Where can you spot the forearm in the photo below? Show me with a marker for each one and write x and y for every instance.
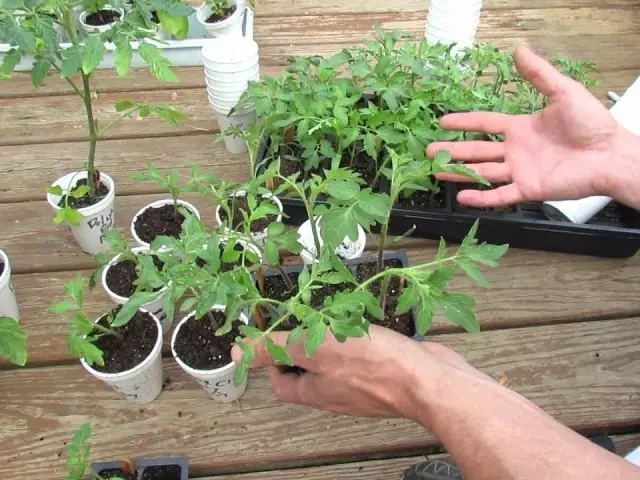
(494, 433)
(621, 179)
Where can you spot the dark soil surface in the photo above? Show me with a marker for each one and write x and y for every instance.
(477, 186)
(91, 198)
(199, 347)
(164, 472)
(1, 267)
(213, 18)
(139, 338)
(157, 221)
(403, 324)
(368, 270)
(122, 276)
(240, 204)
(275, 287)
(102, 17)
(116, 472)
(424, 200)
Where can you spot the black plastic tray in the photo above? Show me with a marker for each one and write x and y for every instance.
(352, 264)
(614, 232)
(182, 462)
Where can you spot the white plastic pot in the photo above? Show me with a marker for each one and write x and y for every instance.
(258, 237)
(8, 303)
(156, 204)
(242, 118)
(453, 21)
(223, 82)
(98, 28)
(156, 307)
(97, 218)
(229, 50)
(233, 77)
(231, 26)
(218, 383)
(575, 211)
(223, 107)
(142, 383)
(244, 65)
(226, 98)
(348, 250)
(216, 89)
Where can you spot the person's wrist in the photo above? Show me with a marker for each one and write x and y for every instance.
(620, 177)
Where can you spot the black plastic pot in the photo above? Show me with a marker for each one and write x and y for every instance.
(353, 264)
(142, 464)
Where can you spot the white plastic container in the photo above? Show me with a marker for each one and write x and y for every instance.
(98, 28)
(218, 383)
(142, 383)
(231, 26)
(227, 98)
(242, 118)
(243, 65)
(258, 237)
(8, 303)
(225, 81)
(156, 307)
(97, 218)
(228, 88)
(453, 21)
(156, 204)
(348, 250)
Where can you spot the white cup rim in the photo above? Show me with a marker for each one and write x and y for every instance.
(158, 203)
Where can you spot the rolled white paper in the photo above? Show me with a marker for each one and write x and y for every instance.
(625, 111)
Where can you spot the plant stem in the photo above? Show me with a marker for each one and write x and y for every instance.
(285, 277)
(93, 136)
(108, 331)
(382, 299)
(309, 210)
(382, 244)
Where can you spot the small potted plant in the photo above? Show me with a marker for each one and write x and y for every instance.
(78, 463)
(163, 217)
(8, 303)
(123, 347)
(99, 16)
(224, 17)
(131, 270)
(84, 199)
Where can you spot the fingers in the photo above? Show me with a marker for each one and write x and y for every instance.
(502, 196)
(540, 73)
(263, 358)
(291, 388)
(491, 171)
(487, 122)
(471, 151)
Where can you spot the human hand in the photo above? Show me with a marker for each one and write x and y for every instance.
(385, 375)
(563, 152)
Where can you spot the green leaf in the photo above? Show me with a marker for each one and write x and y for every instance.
(78, 452)
(39, 72)
(346, 329)
(390, 135)
(487, 254)
(72, 216)
(474, 273)
(315, 337)
(62, 306)
(408, 299)
(176, 25)
(295, 335)
(251, 332)
(424, 312)
(93, 52)
(271, 253)
(75, 289)
(370, 145)
(72, 60)
(278, 353)
(372, 304)
(158, 63)
(123, 56)
(303, 278)
(79, 192)
(274, 229)
(9, 62)
(123, 105)
(129, 309)
(188, 304)
(13, 345)
(55, 190)
(248, 356)
(341, 115)
(83, 348)
(458, 309)
(344, 190)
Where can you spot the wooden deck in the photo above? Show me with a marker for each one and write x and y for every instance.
(562, 328)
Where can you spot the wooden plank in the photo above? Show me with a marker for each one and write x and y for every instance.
(563, 286)
(388, 469)
(63, 119)
(587, 375)
(29, 170)
(277, 8)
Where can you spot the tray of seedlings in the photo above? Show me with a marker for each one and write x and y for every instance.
(390, 93)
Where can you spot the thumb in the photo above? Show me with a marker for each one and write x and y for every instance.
(539, 72)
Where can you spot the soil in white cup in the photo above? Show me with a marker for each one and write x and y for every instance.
(165, 220)
(121, 277)
(215, 18)
(198, 346)
(237, 204)
(138, 337)
(91, 198)
(102, 18)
